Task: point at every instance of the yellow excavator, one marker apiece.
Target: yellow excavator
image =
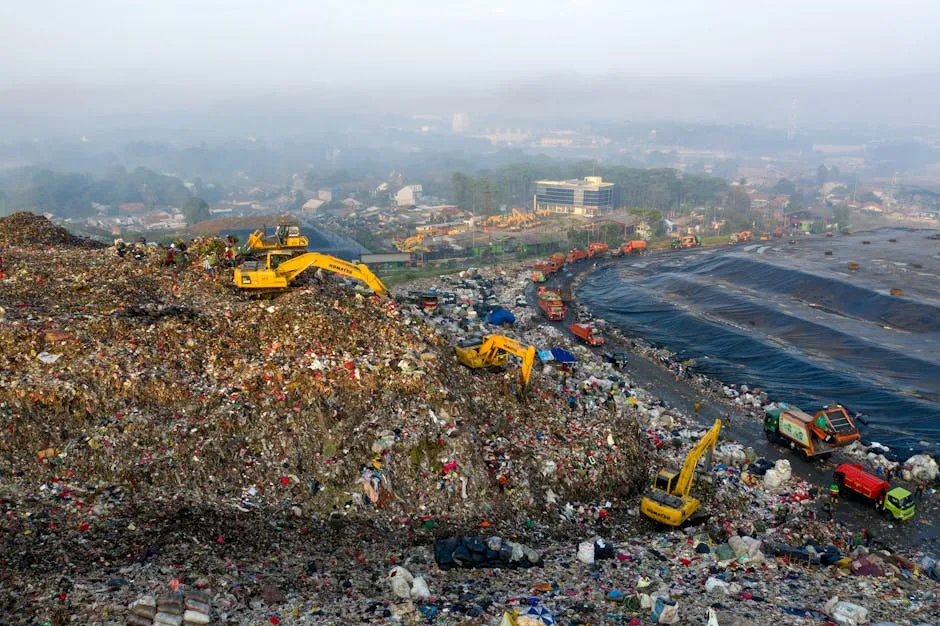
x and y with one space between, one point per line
286 237
669 501
415 243
494 351
277 269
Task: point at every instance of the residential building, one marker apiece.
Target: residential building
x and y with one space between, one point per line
311 205
408 195
589 197
460 123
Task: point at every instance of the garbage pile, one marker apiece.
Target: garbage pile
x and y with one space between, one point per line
130 373
26 229
320 458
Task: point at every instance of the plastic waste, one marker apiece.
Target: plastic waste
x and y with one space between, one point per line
419 589
846 613
665 611
400 579
536 616
716 585
586 552
712 617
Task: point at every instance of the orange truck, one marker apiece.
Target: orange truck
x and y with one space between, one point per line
810 435
636 246
547 268
577 255
588 333
559 258
597 248
551 304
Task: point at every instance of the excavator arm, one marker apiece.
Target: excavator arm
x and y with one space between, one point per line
705 444
292 268
493 344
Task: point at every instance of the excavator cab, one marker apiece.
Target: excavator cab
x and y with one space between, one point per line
666 480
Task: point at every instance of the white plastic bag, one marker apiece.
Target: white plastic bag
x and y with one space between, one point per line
419 589
586 552
400 580
846 613
716 585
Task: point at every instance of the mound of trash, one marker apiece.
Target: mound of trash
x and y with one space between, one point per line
160 380
26 229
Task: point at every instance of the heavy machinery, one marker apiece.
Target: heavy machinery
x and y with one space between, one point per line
577 255
494 351
597 249
547 268
686 241
415 243
285 237
277 269
810 436
515 220
635 246
744 235
668 501
551 303
558 257
588 333
897 502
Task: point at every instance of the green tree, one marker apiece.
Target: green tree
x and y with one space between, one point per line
785 186
840 214
463 188
795 202
196 210
822 174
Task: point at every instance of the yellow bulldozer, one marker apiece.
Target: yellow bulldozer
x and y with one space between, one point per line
669 502
286 237
276 270
494 351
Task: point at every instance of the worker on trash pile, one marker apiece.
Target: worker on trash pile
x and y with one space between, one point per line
919 491
827 509
696 407
834 493
866 537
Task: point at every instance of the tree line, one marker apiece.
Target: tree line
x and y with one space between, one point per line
74 195
664 189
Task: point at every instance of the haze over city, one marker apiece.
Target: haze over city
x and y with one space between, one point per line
211 63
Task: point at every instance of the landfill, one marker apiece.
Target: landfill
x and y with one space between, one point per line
178 453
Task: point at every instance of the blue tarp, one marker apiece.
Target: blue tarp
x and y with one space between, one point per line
563 356
500 316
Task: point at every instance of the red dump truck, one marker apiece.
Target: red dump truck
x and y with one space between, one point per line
588 333
636 246
547 269
897 502
597 249
559 258
577 255
551 304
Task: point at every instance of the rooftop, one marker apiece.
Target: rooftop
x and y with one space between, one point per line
588 182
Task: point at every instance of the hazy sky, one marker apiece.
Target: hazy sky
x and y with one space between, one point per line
298 43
